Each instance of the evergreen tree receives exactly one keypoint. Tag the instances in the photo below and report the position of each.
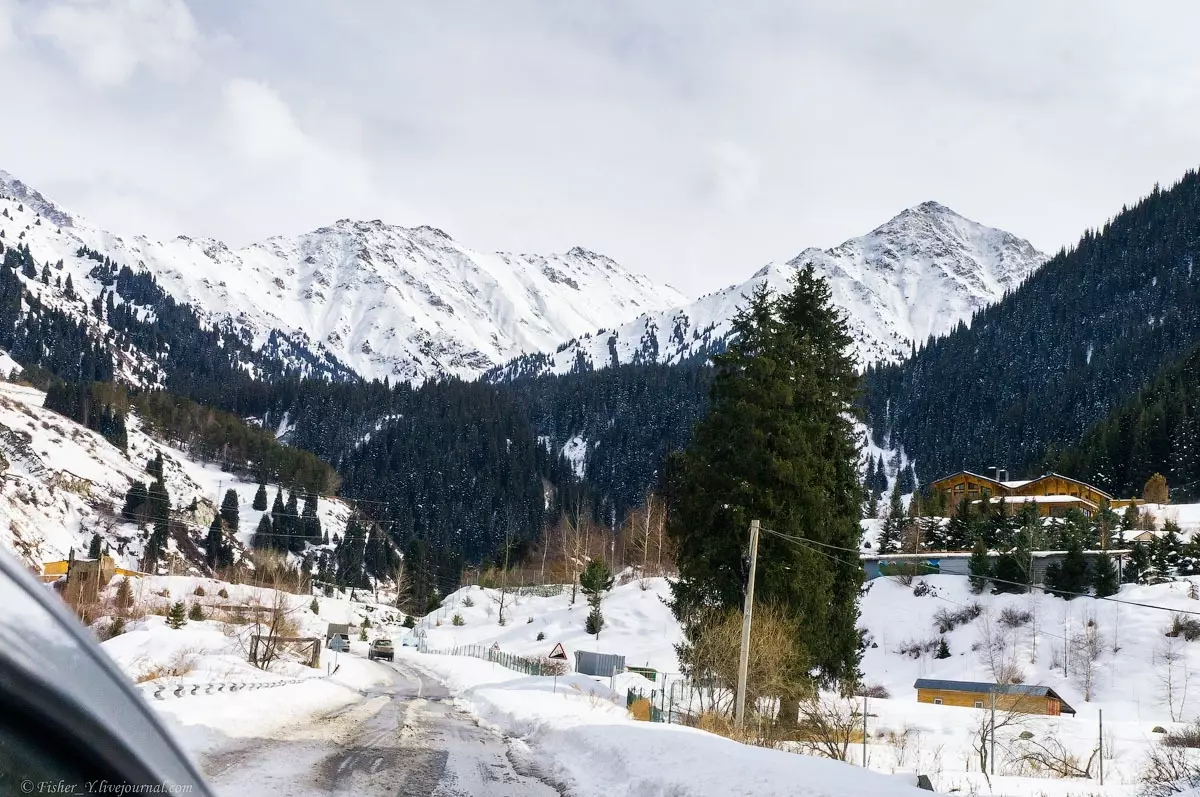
(1009, 574)
(891, 532)
(776, 445)
(196, 612)
(1136, 567)
(69, 289)
(94, 549)
(213, 542)
(958, 530)
(264, 535)
(350, 554)
(979, 566)
(155, 466)
(1172, 546)
(1104, 577)
(943, 651)
(229, 510)
(260, 498)
(294, 525)
(1072, 575)
(311, 521)
(178, 616)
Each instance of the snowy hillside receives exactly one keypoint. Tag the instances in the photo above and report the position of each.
(62, 482)
(916, 276)
(405, 303)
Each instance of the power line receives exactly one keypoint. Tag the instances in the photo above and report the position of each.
(1059, 592)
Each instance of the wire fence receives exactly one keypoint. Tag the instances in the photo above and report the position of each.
(521, 664)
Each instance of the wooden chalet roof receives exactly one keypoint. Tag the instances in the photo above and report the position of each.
(984, 688)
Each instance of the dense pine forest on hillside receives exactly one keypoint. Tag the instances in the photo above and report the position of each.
(1085, 332)
(1156, 431)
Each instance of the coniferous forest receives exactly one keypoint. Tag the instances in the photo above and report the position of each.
(1035, 370)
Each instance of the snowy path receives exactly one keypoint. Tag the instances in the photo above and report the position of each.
(403, 738)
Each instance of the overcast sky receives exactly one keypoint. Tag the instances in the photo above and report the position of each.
(692, 141)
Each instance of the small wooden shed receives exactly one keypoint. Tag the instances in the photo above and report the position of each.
(976, 694)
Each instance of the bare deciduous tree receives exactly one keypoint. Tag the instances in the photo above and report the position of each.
(1087, 643)
(828, 724)
(1171, 669)
(998, 650)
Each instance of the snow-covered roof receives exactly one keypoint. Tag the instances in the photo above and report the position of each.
(1016, 484)
(1038, 499)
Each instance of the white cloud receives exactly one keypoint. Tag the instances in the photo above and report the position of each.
(259, 127)
(693, 141)
(108, 40)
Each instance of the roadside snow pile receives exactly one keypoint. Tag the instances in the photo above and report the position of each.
(217, 649)
(582, 738)
(638, 624)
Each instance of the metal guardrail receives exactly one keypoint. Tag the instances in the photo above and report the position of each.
(162, 691)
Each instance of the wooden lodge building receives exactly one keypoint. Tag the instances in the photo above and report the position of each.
(1053, 493)
(972, 694)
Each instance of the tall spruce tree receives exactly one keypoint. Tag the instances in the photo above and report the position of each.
(892, 530)
(260, 498)
(1104, 577)
(96, 547)
(777, 445)
(979, 566)
(229, 510)
(264, 535)
(214, 542)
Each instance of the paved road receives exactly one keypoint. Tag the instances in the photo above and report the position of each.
(402, 739)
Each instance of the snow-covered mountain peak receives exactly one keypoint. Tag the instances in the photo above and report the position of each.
(12, 188)
(407, 303)
(913, 277)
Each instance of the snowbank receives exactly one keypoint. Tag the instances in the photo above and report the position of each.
(581, 737)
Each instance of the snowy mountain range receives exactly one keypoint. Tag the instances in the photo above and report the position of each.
(914, 277)
(386, 301)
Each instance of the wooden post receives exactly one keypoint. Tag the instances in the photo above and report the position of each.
(992, 758)
(864, 731)
(1101, 747)
(744, 660)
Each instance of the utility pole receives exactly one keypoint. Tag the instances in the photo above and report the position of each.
(992, 758)
(744, 659)
(864, 731)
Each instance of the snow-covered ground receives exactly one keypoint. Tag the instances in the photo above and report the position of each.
(637, 624)
(582, 738)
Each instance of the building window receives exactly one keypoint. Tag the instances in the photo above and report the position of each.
(937, 701)
(958, 488)
(978, 704)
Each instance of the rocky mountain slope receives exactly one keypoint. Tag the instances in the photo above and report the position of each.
(405, 303)
(914, 277)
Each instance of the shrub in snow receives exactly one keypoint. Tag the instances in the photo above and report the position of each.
(528, 619)
(915, 648)
(366, 623)
(177, 617)
(314, 606)
(409, 622)
(224, 593)
(468, 602)
(124, 595)
(1012, 617)
(1184, 626)
(196, 612)
(541, 635)
(115, 628)
(876, 690)
(199, 591)
(946, 620)
(921, 589)
(362, 634)
(457, 620)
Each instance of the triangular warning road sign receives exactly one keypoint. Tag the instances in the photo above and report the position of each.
(558, 652)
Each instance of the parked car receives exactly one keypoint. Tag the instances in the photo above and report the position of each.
(69, 714)
(340, 642)
(381, 649)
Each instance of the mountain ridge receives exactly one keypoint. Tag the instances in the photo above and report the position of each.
(912, 278)
(406, 303)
